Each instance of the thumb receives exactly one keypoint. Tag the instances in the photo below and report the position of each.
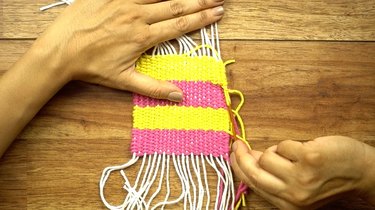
(148, 86)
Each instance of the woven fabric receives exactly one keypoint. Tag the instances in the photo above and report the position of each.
(183, 68)
(195, 95)
(197, 125)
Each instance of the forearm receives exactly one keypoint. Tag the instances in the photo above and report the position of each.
(25, 88)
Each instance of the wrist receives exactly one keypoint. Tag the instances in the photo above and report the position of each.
(40, 74)
(45, 59)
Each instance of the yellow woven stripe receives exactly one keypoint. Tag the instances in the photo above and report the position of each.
(181, 118)
(183, 67)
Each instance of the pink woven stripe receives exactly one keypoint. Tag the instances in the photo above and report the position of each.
(180, 142)
(196, 94)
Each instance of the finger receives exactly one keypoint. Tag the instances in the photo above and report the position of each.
(171, 9)
(277, 201)
(176, 27)
(237, 170)
(289, 149)
(257, 176)
(148, 86)
(273, 199)
(276, 164)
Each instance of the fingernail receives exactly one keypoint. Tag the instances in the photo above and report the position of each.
(175, 96)
(234, 146)
(218, 11)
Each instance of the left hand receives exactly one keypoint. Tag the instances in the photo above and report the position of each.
(306, 175)
(99, 41)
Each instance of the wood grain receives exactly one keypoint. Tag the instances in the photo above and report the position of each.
(294, 90)
(316, 77)
(246, 20)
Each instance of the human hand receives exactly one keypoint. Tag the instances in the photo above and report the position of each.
(306, 175)
(99, 41)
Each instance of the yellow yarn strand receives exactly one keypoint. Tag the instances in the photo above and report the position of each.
(236, 117)
(181, 118)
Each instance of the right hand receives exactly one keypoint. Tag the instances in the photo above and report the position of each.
(305, 175)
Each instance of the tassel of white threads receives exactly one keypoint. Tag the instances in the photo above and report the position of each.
(189, 169)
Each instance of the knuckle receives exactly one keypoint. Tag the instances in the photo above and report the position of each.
(263, 160)
(176, 8)
(143, 38)
(203, 16)
(301, 199)
(202, 3)
(269, 150)
(128, 15)
(254, 180)
(307, 179)
(282, 145)
(313, 158)
(182, 24)
(155, 93)
(239, 158)
(286, 142)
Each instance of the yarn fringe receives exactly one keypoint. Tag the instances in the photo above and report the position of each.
(155, 169)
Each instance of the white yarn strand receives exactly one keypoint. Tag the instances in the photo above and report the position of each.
(231, 181)
(195, 163)
(137, 200)
(226, 190)
(56, 4)
(180, 46)
(182, 186)
(186, 183)
(186, 177)
(106, 173)
(219, 178)
(160, 182)
(151, 176)
(137, 179)
(194, 199)
(203, 40)
(134, 199)
(207, 42)
(167, 181)
(217, 40)
(193, 46)
(206, 182)
(212, 38)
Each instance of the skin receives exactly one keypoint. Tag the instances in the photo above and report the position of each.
(99, 42)
(306, 175)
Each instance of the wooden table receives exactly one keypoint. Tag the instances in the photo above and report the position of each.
(307, 69)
